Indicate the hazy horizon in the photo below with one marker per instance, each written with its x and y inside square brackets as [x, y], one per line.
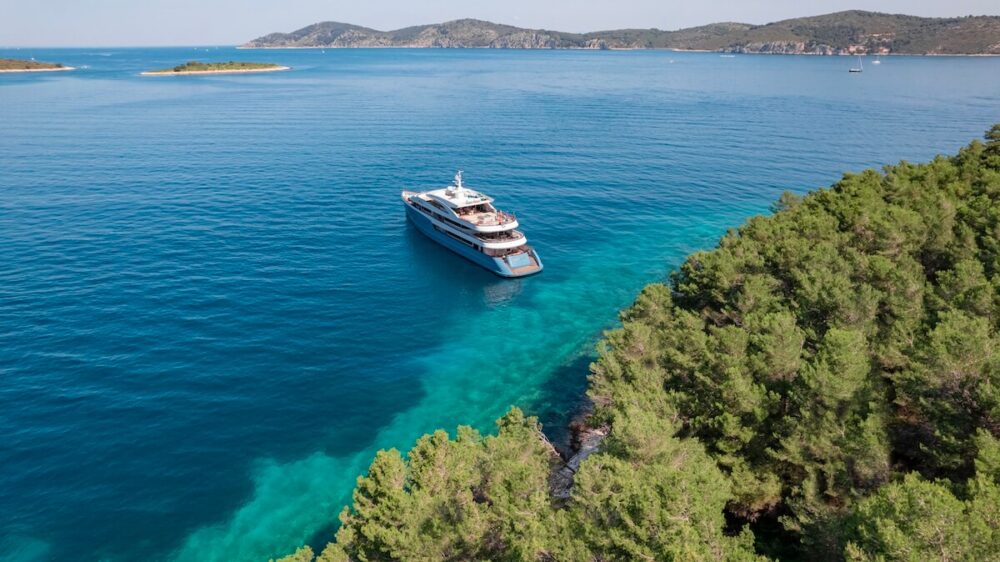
[120, 23]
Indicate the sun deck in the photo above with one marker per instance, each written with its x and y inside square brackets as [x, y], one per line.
[486, 218]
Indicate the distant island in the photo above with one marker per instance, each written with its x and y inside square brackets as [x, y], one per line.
[16, 65]
[841, 33]
[231, 67]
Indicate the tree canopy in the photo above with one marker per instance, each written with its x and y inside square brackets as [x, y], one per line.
[825, 384]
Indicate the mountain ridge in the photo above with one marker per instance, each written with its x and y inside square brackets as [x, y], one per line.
[848, 32]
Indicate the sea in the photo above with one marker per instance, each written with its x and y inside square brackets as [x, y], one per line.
[213, 311]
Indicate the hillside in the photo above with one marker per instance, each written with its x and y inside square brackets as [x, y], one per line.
[457, 34]
[857, 31]
[838, 33]
[824, 385]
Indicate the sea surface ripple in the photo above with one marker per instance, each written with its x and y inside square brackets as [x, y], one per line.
[213, 313]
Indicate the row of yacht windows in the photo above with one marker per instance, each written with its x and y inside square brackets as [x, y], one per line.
[476, 247]
[443, 218]
[481, 208]
[492, 252]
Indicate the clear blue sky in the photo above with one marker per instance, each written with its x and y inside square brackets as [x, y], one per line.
[228, 22]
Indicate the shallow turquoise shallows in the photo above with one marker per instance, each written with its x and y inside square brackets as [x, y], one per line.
[213, 310]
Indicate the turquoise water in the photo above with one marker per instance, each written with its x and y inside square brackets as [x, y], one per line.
[212, 310]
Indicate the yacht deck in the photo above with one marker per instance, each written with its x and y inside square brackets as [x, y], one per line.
[485, 218]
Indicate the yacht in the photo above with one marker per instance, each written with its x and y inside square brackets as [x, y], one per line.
[466, 222]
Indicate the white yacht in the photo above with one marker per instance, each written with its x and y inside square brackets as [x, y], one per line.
[466, 222]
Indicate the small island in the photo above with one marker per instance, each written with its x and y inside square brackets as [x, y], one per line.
[17, 65]
[231, 67]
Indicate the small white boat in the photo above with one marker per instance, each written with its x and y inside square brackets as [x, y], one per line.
[876, 61]
[860, 67]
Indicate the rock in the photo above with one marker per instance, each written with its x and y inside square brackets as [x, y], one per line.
[784, 48]
[586, 441]
[524, 40]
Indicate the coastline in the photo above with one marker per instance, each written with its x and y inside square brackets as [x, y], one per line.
[618, 395]
[38, 69]
[233, 71]
[342, 47]
[670, 49]
[311, 148]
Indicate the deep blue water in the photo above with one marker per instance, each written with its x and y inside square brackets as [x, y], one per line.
[212, 311]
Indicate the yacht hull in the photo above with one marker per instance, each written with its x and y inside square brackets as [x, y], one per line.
[498, 266]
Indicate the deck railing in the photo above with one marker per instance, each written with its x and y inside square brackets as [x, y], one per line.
[505, 236]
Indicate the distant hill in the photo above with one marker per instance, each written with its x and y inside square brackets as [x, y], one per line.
[839, 33]
[857, 31]
[459, 33]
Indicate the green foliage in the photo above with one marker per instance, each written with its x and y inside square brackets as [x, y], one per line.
[458, 499]
[651, 496]
[304, 554]
[827, 375]
[811, 349]
[955, 388]
[195, 66]
[917, 520]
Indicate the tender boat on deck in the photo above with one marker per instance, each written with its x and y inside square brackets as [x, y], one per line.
[466, 222]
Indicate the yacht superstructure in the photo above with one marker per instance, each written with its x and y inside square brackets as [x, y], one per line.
[466, 222]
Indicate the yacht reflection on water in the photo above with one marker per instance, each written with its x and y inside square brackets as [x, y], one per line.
[501, 292]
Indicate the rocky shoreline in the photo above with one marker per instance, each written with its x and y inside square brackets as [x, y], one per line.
[584, 440]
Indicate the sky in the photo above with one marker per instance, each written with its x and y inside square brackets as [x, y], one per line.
[58, 23]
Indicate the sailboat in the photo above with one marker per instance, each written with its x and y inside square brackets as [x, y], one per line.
[860, 67]
[876, 61]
